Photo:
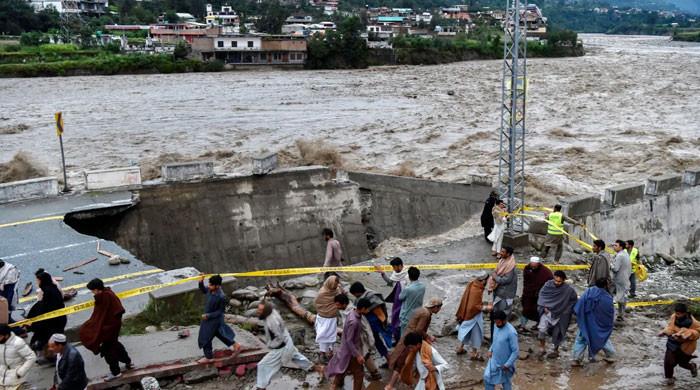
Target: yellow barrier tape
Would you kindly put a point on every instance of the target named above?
(86, 305)
(44, 219)
(656, 303)
(273, 272)
(106, 280)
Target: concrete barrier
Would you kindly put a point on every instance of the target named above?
(187, 171)
(480, 180)
(112, 178)
(663, 184)
(537, 227)
(691, 177)
(264, 164)
(624, 194)
(581, 206)
(42, 187)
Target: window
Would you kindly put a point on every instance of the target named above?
(250, 43)
(263, 56)
(220, 44)
(234, 44)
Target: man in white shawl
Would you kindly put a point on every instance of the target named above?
(399, 280)
(282, 349)
(621, 270)
(499, 227)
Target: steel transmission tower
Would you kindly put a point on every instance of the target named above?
(511, 159)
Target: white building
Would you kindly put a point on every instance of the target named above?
(238, 43)
(226, 17)
(89, 7)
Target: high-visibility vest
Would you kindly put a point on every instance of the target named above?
(556, 221)
(634, 255)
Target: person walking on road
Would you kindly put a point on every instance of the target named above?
(70, 367)
(349, 359)
(17, 360)
(100, 333)
(213, 325)
(502, 355)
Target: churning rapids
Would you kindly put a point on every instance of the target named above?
(628, 107)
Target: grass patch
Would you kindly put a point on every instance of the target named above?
(187, 312)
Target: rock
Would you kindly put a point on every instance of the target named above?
(524, 355)
(298, 335)
(309, 281)
(199, 376)
(124, 260)
(253, 305)
(151, 329)
(451, 92)
(235, 302)
(449, 328)
(244, 295)
(240, 370)
(150, 383)
(251, 313)
(293, 284)
(114, 260)
(667, 258)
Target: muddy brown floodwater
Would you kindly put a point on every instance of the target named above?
(628, 107)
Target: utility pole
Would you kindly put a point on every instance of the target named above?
(511, 158)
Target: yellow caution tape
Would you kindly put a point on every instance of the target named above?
(106, 280)
(273, 272)
(86, 305)
(656, 303)
(44, 219)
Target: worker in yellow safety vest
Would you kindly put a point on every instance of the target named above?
(555, 233)
(634, 259)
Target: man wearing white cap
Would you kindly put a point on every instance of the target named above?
(535, 275)
(70, 368)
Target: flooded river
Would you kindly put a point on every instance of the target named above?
(628, 107)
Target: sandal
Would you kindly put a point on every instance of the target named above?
(460, 351)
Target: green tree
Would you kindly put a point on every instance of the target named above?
(181, 50)
(171, 17)
(272, 17)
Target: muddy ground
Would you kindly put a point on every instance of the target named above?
(640, 352)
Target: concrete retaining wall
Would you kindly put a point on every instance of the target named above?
(112, 178)
(28, 189)
(187, 171)
(666, 220)
(275, 220)
(237, 224)
(403, 207)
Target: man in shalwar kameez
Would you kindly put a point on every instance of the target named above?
(281, 346)
(470, 320)
(349, 360)
(502, 354)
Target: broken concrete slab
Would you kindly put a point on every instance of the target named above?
(659, 185)
(516, 240)
(691, 177)
(624, 194)
(581, 205)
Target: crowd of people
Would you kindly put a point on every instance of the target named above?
(398, 334)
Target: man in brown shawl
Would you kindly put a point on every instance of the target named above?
(326, 323)
(100, 333)
(535, 275)
(418, 323)
(470, 320)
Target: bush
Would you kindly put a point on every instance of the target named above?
(32, 39)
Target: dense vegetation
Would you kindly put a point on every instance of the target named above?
(416, 50)
(67, 60)
(688, 36)
(344, 48)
